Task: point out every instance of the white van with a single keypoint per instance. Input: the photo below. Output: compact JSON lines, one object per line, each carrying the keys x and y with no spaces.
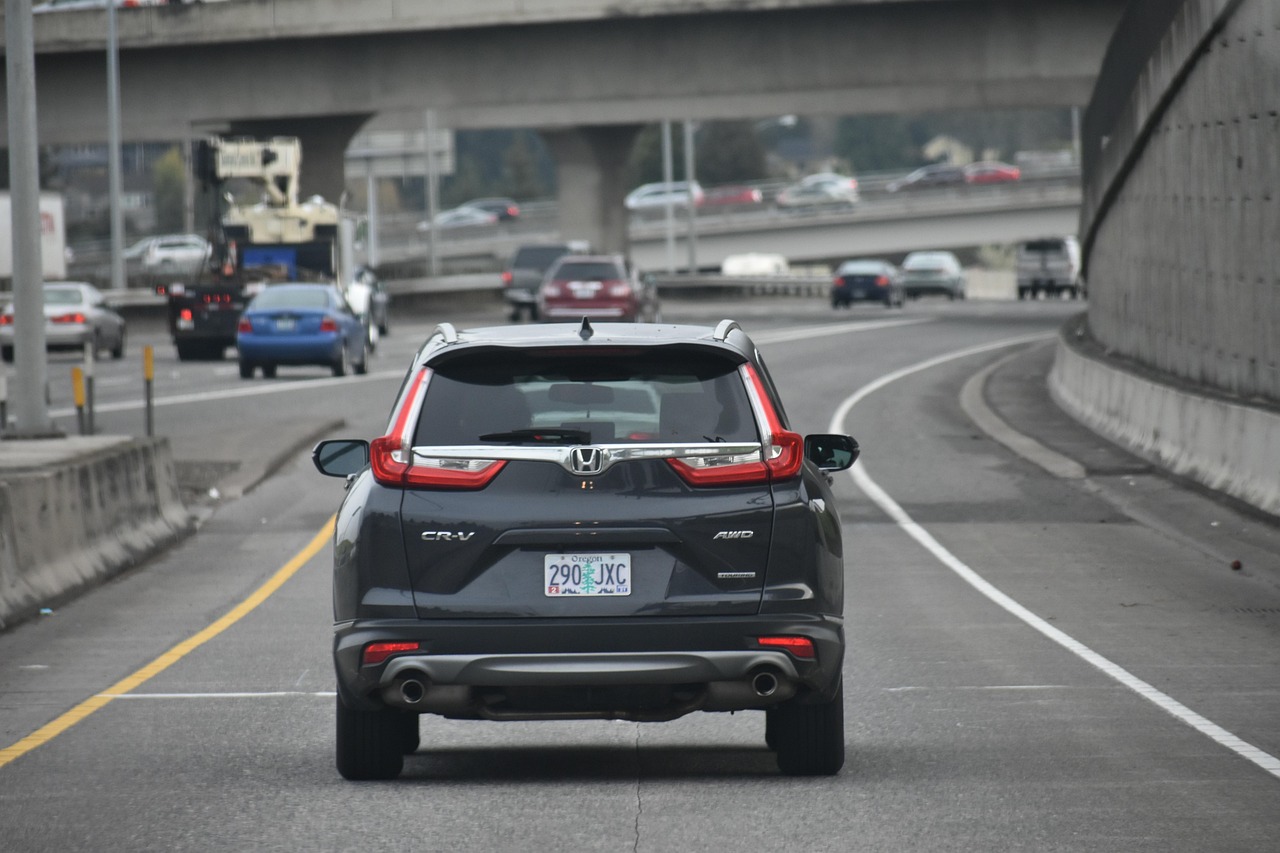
{"x":1051,"y":266}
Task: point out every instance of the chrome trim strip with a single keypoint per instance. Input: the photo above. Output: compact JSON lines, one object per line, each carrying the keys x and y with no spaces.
{"x":562,"y":454}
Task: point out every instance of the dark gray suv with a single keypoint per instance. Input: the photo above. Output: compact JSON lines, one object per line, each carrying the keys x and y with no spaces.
{"x":578,"y":522}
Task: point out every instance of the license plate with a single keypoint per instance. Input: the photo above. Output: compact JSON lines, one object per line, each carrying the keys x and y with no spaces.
{"x":587,"y":574}
{"x":286,"y":324}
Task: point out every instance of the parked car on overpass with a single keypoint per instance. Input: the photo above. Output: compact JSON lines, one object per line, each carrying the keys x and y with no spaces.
{"x":506,"y":209}
{"x":457,"y":218}
{"x":826,"y":189}
{"x":656,"y":196}
{"x":991,"y":172}
{"x":929,"y":177}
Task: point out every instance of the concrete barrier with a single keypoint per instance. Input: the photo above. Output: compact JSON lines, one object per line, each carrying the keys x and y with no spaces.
{"x":1221,"y":443}
{"x":75,"y":511}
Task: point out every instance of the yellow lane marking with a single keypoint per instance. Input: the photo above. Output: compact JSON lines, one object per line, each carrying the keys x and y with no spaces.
{"x":52,"y":729}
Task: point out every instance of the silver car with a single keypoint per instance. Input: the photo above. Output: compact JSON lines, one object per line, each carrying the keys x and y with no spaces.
{"x":75,"y":314}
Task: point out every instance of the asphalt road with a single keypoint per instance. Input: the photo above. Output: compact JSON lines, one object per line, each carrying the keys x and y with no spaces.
{"x":971,"y":724}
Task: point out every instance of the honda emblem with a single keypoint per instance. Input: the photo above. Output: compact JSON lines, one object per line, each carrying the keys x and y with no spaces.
{"x":586,"y":460}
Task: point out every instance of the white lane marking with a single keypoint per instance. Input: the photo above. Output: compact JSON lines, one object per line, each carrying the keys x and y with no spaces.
{"x":312,"y":384}
{"x":1166,"y":703}
{"x":266,"y":694}
{"x":911,"y":687}
{"x":258,"y":389}
{"x":804,"y":332}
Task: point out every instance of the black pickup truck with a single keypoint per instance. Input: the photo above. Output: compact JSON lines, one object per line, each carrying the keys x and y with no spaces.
{"x":523,"y":275}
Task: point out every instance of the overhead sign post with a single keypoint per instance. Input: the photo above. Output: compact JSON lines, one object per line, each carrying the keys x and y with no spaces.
{"x":396,"y":154}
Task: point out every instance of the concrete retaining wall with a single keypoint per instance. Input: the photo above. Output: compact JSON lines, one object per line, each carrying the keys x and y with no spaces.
{"x":1182,"y":197}
{"x":1224,"y":445}
{"x":74,"y":511}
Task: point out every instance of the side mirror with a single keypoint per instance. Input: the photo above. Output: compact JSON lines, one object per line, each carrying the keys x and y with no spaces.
{"x":341,"y":457}
{"x":831,"y":452}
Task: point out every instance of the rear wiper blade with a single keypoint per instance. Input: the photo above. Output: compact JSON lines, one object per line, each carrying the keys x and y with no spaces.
{"x":547,"y":435}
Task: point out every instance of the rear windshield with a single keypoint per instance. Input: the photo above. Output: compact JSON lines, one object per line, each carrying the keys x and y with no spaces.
{"x":62,"y":296}
{"x":537,"y":257}
{"x":288,"y":297}
{"x":606,"y":399}
{"x":587,"y":271}
{"x":1044,"y":246}
{"x":926,"y":262}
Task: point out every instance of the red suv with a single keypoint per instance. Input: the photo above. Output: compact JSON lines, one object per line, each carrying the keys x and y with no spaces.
{"x":602,"y":287}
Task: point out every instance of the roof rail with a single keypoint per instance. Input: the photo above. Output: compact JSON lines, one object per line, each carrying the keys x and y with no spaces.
{"x":448,"y":332}
{"x":724,"y":328}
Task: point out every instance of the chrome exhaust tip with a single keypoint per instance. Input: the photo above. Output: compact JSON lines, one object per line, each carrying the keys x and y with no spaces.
{"x":764,"y":683}
{"x":412,"y":691}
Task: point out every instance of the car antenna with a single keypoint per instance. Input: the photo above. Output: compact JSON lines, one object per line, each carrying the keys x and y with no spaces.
{"x":586,"y":331}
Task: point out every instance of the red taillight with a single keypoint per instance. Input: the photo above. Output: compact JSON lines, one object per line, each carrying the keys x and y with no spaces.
{"x":185,"y":314}
{"x":378,"y":652}
{"x":75,"y":317}
{"x":328,"y":324}
{"x":507,"y":278}
{"x":721,"y":471}
{"x":618,"y":289}
{"x":882,"y":281}
{"x":391,"y":468}
{"x":801,"y":647}
{"x":6,"y":319}
{"x":784,"y":448}
{"x":780,"y":456}
{"x":244,"y":327}
{"x":513,"y":211}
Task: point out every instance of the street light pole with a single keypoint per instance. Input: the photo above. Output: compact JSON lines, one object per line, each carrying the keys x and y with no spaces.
{"x":693,"y":209}
{"x":32,"y":408}
{"x":114,"y":188}
{"x":667,"y":178}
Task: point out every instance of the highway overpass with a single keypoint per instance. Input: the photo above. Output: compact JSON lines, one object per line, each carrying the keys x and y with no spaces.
{"x":879,"y":225}
{"x":587,"y":73}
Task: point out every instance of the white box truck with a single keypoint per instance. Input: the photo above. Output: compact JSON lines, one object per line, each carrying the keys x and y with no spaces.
{"x":53,"y":237}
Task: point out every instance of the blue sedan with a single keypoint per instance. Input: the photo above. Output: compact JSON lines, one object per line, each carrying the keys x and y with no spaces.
{"x":300,"y":324}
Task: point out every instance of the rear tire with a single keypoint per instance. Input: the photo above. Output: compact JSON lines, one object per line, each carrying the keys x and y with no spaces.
{"x":268,"y":371}
{"x":117,"y":352}
{"x":371,"y":744}
{"x":343,"y":364}
{"x":246,"y":370}
{"x":6,"y":353}
{"x":809,"y":739}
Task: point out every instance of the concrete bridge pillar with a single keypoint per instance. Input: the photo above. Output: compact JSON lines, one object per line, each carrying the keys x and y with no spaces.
{"x":324,"y":143}
{"x":590,"y":165}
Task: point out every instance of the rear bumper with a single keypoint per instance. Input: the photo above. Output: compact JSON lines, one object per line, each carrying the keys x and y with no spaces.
{"x":644,"y":669}
{"x":290,"y":351}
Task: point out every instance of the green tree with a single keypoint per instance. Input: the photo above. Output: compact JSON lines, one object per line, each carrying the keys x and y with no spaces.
{"x":521,"y":169}
{"x":168,"y":181}
{"x":724,"y":152}
{"x":728,"y":152}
